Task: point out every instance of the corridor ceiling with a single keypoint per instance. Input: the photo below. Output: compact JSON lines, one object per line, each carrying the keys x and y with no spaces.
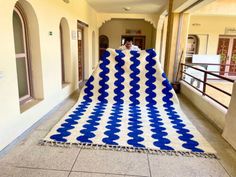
{"x":136,"y":6}
{"x":218,"y":7}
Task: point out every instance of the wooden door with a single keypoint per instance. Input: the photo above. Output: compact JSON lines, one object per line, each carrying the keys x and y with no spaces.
{"x":223,"y":51}
{"x":140,"y":41}
{"x":232,"y":68}
{"x":103,"y":44}
{"x":137,"y":40}
{"x":80,"y":53}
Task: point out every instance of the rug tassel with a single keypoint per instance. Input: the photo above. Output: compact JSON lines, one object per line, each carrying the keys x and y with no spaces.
{"x":128,"y":149}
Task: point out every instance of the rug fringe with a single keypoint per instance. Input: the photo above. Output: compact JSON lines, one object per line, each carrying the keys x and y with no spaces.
{"x":128,"y":149}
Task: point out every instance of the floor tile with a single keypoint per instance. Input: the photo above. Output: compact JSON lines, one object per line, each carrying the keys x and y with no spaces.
{"x":102,"y":161}
{"x":84,"y":174}
{"x":42,"y":157}
{"x":51,"y":120}
{"x":185,"y":167}
{"x":29,"y":159}
{"x":26,"y":172}
{"x":228,"y":160}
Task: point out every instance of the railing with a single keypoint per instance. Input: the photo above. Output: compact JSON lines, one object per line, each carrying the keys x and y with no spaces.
{"x":225,"y":66}
{"x":204,"y":81}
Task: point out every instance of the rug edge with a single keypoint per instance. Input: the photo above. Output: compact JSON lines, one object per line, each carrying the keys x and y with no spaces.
{"x":128,"y":149}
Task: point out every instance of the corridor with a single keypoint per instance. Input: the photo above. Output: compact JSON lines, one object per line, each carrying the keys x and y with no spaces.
{"x":28,"y":159}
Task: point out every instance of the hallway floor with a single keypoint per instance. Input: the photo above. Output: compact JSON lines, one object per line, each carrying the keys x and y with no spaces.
{"x":28,"y":159}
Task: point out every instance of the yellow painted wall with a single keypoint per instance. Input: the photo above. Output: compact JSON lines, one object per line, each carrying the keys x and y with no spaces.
{"x":49,"y":13}
{"x":115,"y":28}
{"x":213,"y":26}
{"x":104,"y":17}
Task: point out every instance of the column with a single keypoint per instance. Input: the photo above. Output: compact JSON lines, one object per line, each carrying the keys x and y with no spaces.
{"x":229,"y":132}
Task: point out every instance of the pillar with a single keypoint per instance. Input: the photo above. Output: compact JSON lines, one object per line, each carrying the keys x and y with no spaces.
{"x":181,"y":45}
{"x":171,"y":40}
{"x":229,"y":132}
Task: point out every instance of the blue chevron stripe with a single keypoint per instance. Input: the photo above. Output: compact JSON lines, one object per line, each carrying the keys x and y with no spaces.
{"x":64,"y":130}
{"x":92,"y":123}
{"x":114,"y":119}
{"x":98,"y":110}
{"x":113,"y":125}
{"x":134,"y":78}
{"x":178,"y":124}
{"x":120,"y":79}
{"x":104,"y":78}
{"x":150,"y":77}
{"x":134,"y":122}
{"x":135,"y":112}
{"x":159,"y":132}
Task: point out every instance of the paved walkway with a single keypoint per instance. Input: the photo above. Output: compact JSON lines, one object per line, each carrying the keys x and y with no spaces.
{"x":27,"y":159}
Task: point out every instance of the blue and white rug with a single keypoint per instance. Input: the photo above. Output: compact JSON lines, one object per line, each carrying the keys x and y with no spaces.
{"x":128,"y":104}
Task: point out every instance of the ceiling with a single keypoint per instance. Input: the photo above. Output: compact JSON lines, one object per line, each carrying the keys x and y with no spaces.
{"x":136,"y":6}
{"x":218,"y":7}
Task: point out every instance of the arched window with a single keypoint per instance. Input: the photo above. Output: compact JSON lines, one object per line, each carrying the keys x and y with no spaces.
{"x":22,"y":55}
{"x":62,"y":56}
{"x":27,"y":52}
{"x":65,"y":51}
{"x":192,"y":46}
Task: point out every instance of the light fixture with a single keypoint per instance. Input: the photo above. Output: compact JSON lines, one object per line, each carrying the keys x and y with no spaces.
{"x":126,"y":8}
{"x":196,"y":24}
{"x":66,"y":1}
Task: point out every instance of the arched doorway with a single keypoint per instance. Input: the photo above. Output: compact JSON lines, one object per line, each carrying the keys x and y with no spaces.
{"x":103,"y":44}
{"x":192,"y":47}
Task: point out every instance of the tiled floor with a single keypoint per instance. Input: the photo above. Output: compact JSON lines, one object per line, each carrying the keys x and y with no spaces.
{"x":28,"y":159}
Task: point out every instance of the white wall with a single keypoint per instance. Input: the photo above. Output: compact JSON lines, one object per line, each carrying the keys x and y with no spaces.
{"x":212,"y":26}
{"x":211,"y":110}
{"x":49,"y":13}
{"x":115,"y":28}
{"x":230,"y":123}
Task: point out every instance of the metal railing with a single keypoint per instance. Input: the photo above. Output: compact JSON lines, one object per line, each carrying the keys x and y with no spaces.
{"x":204,"y":81}
{"x":225,"y":66}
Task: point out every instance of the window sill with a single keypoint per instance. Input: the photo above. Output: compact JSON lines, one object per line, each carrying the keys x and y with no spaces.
{"x":29,"y":104}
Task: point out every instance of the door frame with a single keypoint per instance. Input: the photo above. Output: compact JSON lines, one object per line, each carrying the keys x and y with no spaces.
{"x":229,"y":53}
{"x":80,"y":73}
{"x":133,"y":38}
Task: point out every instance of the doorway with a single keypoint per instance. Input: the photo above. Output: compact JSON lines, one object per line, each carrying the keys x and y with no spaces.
{"x":80,"y":38}
{"x":103,"y":45}
{"x":227,"y":51}
{"x":192,"y":47}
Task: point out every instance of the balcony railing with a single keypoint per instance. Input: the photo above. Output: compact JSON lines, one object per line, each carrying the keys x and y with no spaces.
{"x":202,"y":80}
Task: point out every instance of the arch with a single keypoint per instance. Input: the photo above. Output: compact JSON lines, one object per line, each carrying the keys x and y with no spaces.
{"x":103,"y":41}
{"x":153,"y":20}
{"x":192,"y":47}
{"x":65,"y":51}
{"x":33,"y":47}
{"x":103,"y":44}
{"x":142,"y":32}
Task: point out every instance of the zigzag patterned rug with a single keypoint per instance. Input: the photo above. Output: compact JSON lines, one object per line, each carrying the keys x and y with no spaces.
{"x":128,"y":104}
